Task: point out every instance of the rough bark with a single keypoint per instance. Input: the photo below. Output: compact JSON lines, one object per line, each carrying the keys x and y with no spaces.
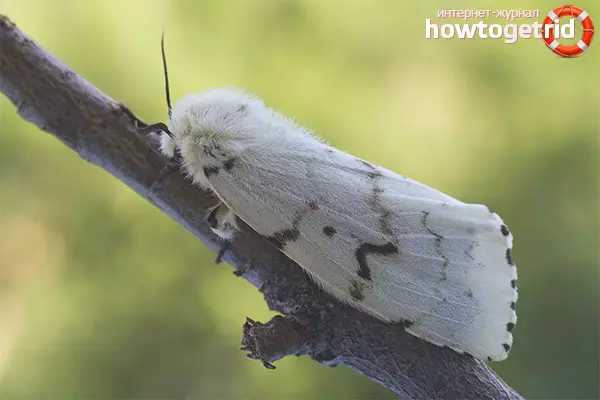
{"x":102,"y":131}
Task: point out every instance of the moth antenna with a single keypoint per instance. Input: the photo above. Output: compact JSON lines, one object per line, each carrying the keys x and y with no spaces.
{"x":158,"y":127}
{"x":164,"y":59}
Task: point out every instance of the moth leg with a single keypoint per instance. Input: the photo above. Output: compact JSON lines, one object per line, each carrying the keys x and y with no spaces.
{"x":223,"y":223}
{"x":224,"y":247}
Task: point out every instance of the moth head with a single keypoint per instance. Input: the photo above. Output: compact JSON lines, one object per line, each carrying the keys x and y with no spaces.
{"x":201,"y":123}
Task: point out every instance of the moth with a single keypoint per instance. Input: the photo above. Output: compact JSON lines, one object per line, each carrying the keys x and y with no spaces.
{"x":376,"y":240}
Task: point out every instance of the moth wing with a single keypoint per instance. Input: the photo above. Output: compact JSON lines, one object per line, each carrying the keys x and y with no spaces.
{"x":383,"y":243}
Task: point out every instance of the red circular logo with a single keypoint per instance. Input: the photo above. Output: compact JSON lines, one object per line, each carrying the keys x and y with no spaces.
{"x":574,"y":50}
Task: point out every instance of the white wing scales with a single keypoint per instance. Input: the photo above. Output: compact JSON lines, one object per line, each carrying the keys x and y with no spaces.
{"x":388,"y":245}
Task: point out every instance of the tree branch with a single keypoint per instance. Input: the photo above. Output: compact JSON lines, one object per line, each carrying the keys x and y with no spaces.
{"x":57,"y":100}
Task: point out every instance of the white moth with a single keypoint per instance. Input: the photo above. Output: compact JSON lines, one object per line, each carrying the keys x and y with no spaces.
{"x":383,"y":243}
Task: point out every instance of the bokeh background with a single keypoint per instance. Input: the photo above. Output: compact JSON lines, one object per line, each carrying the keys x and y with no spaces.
{"x":103,"y":297}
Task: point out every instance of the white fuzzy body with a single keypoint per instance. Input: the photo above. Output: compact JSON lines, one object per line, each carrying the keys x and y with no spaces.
{"x":385,"y":244}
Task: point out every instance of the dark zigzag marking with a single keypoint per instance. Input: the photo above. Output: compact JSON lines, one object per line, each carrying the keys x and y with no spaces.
{"x":438,"y":244}
{"x":283,"y":237}
{"x":368,"y":248}
{"x":377,"y":206}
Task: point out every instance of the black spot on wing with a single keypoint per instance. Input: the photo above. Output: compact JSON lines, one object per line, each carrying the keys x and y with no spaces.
{"x":513,"y":305}
{"x":368,"y":248}
{"x":329,"y":231}
{"x":506,"y":347}
{"x":490,"y":358}
{"x":229,"y":164}
{"x":356,"y":290}
{"x":406,"y":323}
{"x":508,"y":257}
{"x":281,"y":238}
{"x":510,"y":326}
{"x":504,"y":230}
{"x":513,"y":283}
{"x":212,"y":170}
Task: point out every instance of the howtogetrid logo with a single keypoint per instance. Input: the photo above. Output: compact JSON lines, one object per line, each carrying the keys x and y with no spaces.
{"x":550,"y":31}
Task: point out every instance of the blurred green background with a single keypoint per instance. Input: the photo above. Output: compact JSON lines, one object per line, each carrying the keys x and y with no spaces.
{"x":103,"y":297}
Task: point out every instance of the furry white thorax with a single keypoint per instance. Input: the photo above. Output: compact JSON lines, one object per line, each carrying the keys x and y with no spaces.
{"x":381,"y":242}
{"x":213,"y":127}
